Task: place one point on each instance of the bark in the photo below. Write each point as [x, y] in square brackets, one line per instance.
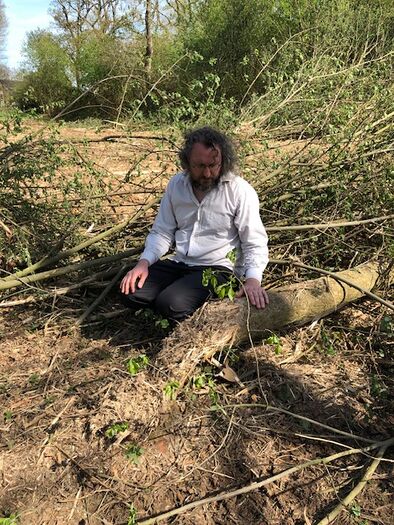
[149, 41]
[223, 323]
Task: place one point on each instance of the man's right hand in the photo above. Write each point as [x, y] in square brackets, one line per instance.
[139, 272]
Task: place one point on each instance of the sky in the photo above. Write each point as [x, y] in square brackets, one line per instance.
[23, 16]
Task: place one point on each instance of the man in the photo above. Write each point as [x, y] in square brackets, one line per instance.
[208, 211]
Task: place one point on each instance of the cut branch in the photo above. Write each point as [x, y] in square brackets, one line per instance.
[72, 251]
[224, 323]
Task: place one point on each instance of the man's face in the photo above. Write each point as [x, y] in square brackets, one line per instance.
[204, 166]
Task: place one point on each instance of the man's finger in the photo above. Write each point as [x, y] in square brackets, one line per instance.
[133, 279]
[142, 280]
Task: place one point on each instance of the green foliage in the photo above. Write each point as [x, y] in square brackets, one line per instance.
[47, 85]
[8, 416]
[133, 453]
[34, 379]
[170, 389]
[355, 510]
[226, 289]
[153, 318]
[276, 342]
[12, 519]
[132, 517]
[329, 340]
[134, 365]
[114, 429]
[377, 387]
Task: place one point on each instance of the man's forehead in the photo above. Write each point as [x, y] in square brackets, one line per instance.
[205, 152]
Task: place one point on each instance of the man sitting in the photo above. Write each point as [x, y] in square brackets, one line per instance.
[209, 212]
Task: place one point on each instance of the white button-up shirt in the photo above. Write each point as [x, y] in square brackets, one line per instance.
[206, 232]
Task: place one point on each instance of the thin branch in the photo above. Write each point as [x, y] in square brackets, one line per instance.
[258, 484]
[71, 251]
[357, 489]
[325, 225]
[7, 285]
[101, 297]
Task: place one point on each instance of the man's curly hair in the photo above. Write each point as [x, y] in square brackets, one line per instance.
[210, 138]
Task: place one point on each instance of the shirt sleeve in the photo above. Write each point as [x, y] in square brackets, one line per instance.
[162, 235]
[252, 234]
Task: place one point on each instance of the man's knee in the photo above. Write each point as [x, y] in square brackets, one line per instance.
[177, 306]
[135, 300]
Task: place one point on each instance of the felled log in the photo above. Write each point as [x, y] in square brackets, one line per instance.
[222, 324]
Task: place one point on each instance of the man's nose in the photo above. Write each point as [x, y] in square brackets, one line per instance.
[207, 172]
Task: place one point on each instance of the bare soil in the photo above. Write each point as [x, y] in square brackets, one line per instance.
[62, 389]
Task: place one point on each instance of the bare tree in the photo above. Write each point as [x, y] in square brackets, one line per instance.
[148, 36]
[77, 18]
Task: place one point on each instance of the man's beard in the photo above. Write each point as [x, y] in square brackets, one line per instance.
[205, 185]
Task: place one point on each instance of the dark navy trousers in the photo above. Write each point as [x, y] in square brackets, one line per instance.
[174, 289]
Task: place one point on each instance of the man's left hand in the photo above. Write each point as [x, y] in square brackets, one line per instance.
[256, 294]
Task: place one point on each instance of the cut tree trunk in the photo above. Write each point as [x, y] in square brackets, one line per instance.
[221, 324]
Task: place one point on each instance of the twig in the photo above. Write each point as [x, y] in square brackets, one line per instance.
[297, 416]
[6, 285]
[333, 224]
[71, 251]
[101, 297]
[258, 484]
[357, 489]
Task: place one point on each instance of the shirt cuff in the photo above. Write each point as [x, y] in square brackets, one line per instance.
[254, 273]
[148, 256]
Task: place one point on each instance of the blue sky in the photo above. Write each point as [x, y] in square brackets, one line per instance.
[23, 16]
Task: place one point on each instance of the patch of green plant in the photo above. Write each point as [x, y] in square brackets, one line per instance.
[114, 429]
[328, 342]
[133, 453]
[151, 317]
[170, 389]
[34, 379]
[206, 380]
[355, 510]
[378, 388]
[135, 364]
[12, 519]
[8, 416]
[224, 290]
[276, 342]
[132, 517]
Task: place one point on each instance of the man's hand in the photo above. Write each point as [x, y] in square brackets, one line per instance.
[140, 272]
[256, 294]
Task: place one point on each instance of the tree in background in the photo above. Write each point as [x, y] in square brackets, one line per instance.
[46, 83]
[118, 53]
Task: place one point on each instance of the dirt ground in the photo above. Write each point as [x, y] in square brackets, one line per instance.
[84, 441]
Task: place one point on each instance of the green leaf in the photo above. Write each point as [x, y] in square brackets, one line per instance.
[134, 365]
[114, 429]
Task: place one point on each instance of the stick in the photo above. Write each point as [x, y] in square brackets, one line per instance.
[67, 269]
[323, 226]
[101, 297]
[357, 489]
[303, 418]
[258, 484]
[71, 251]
